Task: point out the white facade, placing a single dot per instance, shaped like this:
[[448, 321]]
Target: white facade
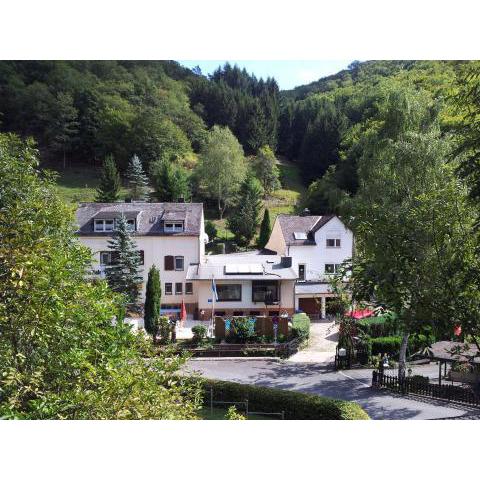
[[315, 257], [315, 261], [155, 249]]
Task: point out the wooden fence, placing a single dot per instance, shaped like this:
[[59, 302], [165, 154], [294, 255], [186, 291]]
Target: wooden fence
[[263, 326], [423, 387]]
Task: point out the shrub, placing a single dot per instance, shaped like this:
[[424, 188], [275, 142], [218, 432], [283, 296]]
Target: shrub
[[163, 329], [199, 333], [391, 345], [420, 379], [242, 330], [301, 326], [211, 230], [233, 414], [382, 326], [296, 405]]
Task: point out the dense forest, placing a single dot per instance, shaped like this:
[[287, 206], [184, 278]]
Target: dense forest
[[81, 111]]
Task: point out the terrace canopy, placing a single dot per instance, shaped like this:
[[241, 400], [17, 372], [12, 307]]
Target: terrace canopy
[[450, 352]]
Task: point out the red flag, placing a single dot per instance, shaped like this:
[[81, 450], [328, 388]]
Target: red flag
[[457, 330], [183, 313]]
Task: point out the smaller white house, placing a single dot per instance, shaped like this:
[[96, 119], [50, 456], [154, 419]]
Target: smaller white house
[[246, 284], [317, 245]]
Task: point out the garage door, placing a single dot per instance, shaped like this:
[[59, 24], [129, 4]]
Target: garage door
[[309, 305]]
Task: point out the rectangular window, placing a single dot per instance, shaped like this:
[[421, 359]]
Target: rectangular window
[[301, 272], [331, 268], [169, 262], [265, 291], [189, 288], [105, 258], [142, 257], [109, 225], [168, 289], [229, 293], [238, 313], [333, 242], [178, 288], [98, 226], [179, 263], [173, 227], [255, 313]]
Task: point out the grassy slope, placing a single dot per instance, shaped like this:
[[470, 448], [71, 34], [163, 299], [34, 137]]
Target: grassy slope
[[284, 200], [78, 184]]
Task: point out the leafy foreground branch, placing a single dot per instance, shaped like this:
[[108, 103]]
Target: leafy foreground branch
[[61, 355]]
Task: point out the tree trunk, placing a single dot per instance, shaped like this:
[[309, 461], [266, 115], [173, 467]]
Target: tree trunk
[[220, 209], [64, 158], [403, 357]]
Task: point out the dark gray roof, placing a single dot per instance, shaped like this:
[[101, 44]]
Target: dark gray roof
[[309, 224], [150, 216], [454, 351]]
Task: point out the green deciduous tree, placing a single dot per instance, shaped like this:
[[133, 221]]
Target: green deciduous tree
[[137, 180], [123, 275], [405, 218], [222, 167], [266, 170], [170, 181], [211, 230], [109, 188], [244, 220], [61, 355], [152, 302], [265, 229]]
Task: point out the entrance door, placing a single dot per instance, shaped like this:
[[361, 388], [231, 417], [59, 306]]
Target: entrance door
[[309, 306]]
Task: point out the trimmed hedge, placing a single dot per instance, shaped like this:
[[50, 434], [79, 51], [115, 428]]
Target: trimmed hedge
[[301, 326], [381, 326], [296, 405], [391, 345]]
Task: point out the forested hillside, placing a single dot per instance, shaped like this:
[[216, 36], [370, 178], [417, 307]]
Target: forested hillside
[[80, 112]]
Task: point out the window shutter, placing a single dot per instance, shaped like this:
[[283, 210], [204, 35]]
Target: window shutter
[[169, 262], [142, 257]]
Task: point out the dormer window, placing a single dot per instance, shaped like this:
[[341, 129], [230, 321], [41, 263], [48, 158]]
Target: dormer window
[[103, 225], [173, 227], [109, 225]]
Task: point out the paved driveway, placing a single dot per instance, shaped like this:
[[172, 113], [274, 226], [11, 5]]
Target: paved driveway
[[317, 379]]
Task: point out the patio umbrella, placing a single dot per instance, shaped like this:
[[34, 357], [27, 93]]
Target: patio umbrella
[[183, 312]]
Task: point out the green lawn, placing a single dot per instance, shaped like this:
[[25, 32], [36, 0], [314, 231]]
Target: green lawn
[[219, 414], [78, 184]]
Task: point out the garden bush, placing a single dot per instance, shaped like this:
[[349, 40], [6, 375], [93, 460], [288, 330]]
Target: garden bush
[[391, 345], [242, 330], [199, 333], [296, 405], [381, 326], [301, 326]]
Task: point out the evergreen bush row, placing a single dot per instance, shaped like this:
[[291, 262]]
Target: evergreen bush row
[[296, 405]]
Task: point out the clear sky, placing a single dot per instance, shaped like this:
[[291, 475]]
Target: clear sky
[[287, 73]]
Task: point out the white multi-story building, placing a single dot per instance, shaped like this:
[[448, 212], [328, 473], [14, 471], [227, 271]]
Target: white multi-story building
[[169, 235], [292, 273], [318, 245]]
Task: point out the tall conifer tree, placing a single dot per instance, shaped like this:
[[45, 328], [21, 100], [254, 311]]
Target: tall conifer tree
[[137, 180], [109, 188], [123, 275], [152, 301], [265, 229]]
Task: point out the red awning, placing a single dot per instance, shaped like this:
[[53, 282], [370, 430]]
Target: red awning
[[359, 314]]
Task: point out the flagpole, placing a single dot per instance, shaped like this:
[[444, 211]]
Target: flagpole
[[214, 294]]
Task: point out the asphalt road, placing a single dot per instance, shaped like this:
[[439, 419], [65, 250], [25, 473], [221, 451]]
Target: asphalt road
[[321, 380]]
